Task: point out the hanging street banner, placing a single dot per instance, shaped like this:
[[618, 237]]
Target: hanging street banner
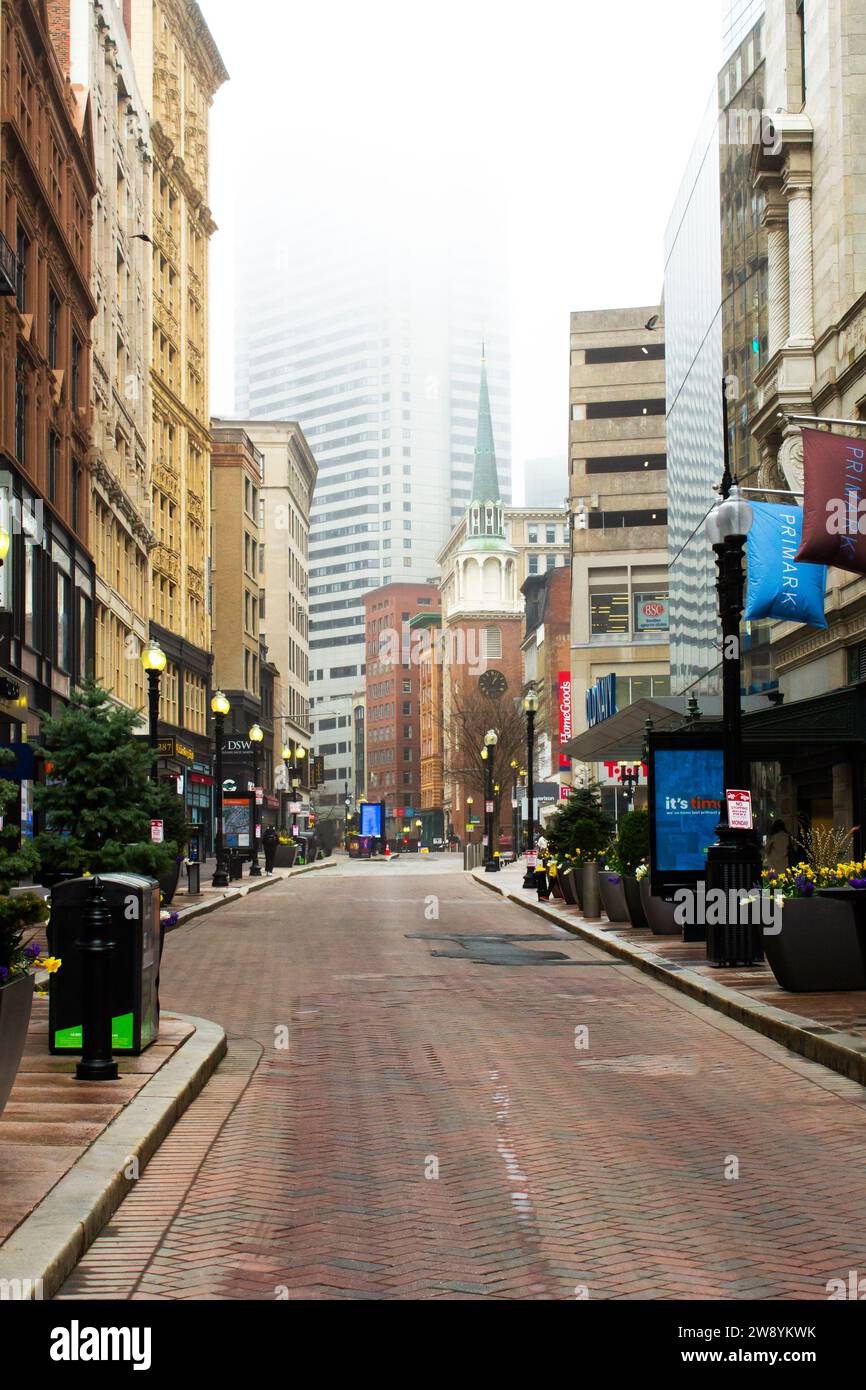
[[834, 501], [564, 714], [778, 584]]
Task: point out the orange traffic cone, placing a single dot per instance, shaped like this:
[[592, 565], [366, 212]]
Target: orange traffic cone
[[387, 851]]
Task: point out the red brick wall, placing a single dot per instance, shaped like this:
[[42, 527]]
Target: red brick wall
[[58, 26]]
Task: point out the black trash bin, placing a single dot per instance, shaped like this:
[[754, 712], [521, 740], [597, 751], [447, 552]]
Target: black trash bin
[[133, 902], [236, 864], [193, 876]]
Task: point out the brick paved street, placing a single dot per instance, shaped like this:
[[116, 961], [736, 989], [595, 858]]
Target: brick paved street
[[418, 1047]]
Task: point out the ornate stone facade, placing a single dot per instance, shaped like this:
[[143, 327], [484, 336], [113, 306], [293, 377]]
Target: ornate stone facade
[[120, 506]]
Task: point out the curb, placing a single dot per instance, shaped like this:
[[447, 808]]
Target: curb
[[233, 895], [837, 1050], [49, 1242]]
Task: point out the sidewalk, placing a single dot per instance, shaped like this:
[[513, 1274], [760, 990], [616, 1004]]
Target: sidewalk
[[70, 1150], [827, 1028], [188, 905]]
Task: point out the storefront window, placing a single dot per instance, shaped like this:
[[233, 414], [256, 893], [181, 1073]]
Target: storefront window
[[650, 610]]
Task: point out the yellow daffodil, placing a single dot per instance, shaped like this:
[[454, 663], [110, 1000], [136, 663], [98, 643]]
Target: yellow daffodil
[[51, 963]]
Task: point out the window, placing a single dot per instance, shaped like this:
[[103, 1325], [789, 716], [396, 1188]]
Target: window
[[616, 410], [608, 612], [63, 615], [650, 610], [21, 271], [550, 535], [625, 463], [493, 643], [407, 706], [533, 564], [407, 687], [20, 419], [76, 495], [53, 320], [651, 352], [53, 455], [75, 374], [801, 25], [532, 535]]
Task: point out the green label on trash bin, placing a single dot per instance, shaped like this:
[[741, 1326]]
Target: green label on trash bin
[[121, 1034]]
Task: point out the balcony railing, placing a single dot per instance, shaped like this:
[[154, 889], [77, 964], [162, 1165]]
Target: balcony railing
[[8, 267]]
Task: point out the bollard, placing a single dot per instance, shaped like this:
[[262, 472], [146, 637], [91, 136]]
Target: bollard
[[96, 946]]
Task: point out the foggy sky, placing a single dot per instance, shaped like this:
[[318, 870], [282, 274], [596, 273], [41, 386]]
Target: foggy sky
[[570, 122]]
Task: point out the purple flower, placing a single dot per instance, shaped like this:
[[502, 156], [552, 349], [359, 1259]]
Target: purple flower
[[614, 878], [33, 950], [4, 972], [804, 885], [859, 883]]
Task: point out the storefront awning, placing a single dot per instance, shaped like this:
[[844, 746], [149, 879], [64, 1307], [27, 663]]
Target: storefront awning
[[623, 735]]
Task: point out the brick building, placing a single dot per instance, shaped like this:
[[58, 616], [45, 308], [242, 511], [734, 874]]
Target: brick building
[[392, 704], [47, 184]]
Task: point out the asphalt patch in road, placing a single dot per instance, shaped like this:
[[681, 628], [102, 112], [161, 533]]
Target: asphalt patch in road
[[500, 950]]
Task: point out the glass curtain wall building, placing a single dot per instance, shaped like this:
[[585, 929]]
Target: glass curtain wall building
[[371, 339]]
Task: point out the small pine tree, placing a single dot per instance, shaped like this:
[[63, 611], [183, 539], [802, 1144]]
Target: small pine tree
[[98, 792], [633, 840], [581, 823]]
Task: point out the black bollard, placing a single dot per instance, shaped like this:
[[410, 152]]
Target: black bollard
[[96, 946]]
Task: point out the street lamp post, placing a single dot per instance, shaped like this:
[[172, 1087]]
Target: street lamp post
[[419, 826], [629, 776], [734, 861], [530, 706], [515, 808], [153, 659], [470, 802], [491, 738], [293, 761], [220, 707], [257, 733]]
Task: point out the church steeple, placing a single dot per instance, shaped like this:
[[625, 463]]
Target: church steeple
[[485, 480], [485, 507]]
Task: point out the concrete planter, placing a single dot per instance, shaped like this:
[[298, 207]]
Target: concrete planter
[[590, 899], [634, 902], [567, 878], [613, 896], [16, 1001], [285, 856], [659, 912], [817, 948]]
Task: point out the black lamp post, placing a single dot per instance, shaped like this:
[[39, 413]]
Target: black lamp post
[[515, 808], [734, 861], [220, 707], [153, 659], [293, 761], [470, 802], [530, 706], [257, 733], [491, 738]]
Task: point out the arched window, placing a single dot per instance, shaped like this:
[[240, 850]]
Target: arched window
[[493, 643]]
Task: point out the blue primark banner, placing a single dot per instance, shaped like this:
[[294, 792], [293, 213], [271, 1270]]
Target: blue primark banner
[[779, 585]]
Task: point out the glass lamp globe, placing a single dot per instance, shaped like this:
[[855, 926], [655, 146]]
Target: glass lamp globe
[[219, 704], [530, 702], [257, 733], [153, 658]]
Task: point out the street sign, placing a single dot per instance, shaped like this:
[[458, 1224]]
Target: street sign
[[531, 859], [260, 795], [156, 832], [739, 809], [488, 807], [295, 807]]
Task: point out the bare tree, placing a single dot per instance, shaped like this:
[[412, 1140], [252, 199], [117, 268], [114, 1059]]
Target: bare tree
[[469, 716]]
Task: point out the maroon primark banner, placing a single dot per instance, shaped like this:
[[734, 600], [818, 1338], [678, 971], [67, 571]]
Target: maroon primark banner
[[834, 501]]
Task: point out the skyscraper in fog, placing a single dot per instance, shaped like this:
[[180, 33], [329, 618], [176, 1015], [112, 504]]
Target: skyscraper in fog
[[373, 343]]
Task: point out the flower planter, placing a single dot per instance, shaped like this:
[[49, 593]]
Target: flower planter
[[556, 887], [634, 902], [577, 880], [818, 947], [612, 891], [590, 899], [659, 912], [16, 1001], [168, 882], [569, 887], [285, 856]]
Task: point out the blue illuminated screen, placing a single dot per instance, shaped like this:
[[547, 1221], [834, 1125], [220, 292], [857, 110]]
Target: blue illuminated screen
[[371, 818], [688, 785]]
